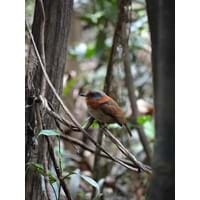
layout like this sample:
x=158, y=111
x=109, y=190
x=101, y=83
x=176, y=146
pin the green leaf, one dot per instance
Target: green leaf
x=49, y=132
x=93, y=19
x=69, y=86
x=95, y=124
x=93, y=183
x=38, y=168
x=91, y=50
x=143, y=119
x=87, y=179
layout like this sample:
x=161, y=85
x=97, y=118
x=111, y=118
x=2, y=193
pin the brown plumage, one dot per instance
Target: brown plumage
x=104, y=109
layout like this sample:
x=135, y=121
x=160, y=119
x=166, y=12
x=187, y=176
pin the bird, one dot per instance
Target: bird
x=104, y=109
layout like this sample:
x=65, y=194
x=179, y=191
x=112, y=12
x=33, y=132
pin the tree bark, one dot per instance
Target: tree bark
x=161, y=21
x=57, y=25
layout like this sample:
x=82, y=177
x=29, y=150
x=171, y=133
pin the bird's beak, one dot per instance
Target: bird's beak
x=82, y=94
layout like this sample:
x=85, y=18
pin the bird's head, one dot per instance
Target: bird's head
x=93, y=94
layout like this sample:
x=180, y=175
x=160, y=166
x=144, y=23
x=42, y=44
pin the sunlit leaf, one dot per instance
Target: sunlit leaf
x=91, y=50
x=92, y=18
x=143, y=119
x=69, y=86
x=95, y=124
x=49, y=132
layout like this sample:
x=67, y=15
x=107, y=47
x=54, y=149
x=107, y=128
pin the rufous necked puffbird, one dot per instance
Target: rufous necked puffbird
x=104, y=109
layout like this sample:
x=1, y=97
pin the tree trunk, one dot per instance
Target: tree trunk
x=57, y=24
x=161, y=21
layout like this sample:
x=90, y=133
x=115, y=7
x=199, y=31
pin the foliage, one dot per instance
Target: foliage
x=75, y=180
x=49, y=132
x=143, y=119
x=38, y=168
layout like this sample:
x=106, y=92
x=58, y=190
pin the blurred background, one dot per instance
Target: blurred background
x=93, y=25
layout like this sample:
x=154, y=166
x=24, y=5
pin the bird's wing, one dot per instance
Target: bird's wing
x=112, y=109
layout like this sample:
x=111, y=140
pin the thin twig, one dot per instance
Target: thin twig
x=81, y=144
x=109, y=73
x=46, y=177
x=45, y=161
x=125, y=151
x=57, y=169
x=54, y=191
x=97, y=159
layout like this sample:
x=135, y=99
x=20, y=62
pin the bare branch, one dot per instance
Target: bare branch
x=45, y=162
x=116, y=39
x=130, y=82
x=81, y=144
x=57, y=169
x=126, y=152
x=42, y=50
x=46, y=177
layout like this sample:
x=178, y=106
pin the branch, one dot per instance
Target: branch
x=84, y=146
x=126, y=152
x=57, y=169
x=130, y=83
x=42, y=41
x=97, y=159
x=45, y=162
x=46, y=177
x=109, y=73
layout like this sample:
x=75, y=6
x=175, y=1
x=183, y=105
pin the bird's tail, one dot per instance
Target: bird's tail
x=128, y=129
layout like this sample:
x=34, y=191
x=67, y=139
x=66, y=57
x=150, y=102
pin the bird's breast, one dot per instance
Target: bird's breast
x=100, y=116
